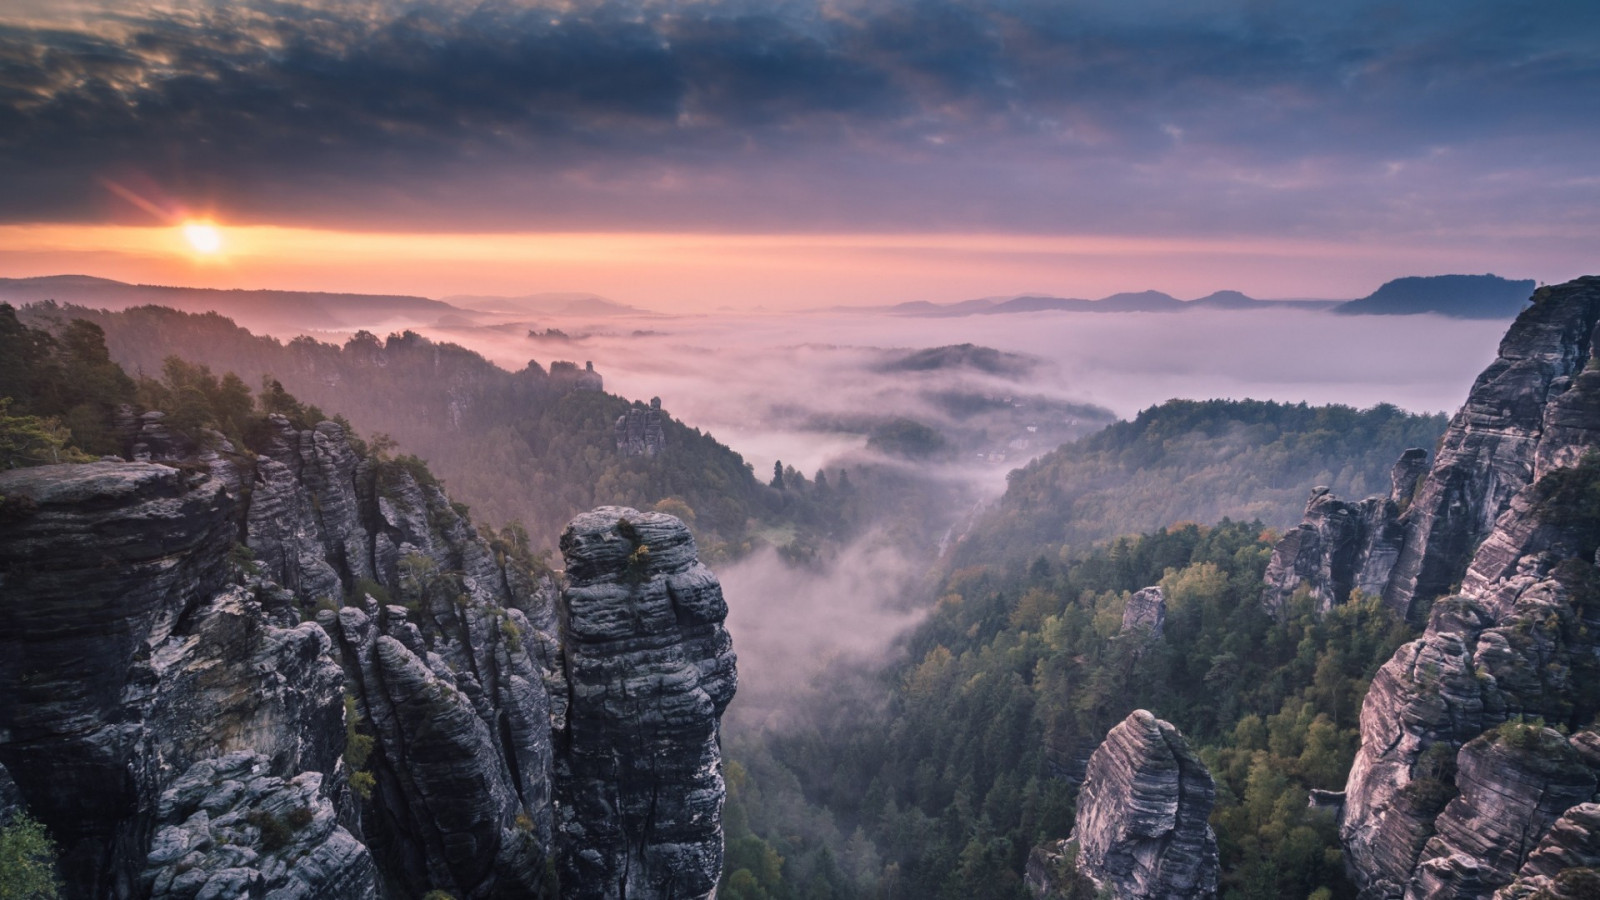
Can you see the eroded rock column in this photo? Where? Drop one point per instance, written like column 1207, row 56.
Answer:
column 650, row 669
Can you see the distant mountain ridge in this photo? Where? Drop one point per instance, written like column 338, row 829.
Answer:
column 565, row 303
column 1126, row 301
column 1458, row 296
column 261, row 310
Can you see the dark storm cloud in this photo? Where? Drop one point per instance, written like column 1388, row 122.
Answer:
column 1143, row 115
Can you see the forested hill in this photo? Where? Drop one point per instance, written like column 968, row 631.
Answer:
column 1197, row 461
column 536, row 446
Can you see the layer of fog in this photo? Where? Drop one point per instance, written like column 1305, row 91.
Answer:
column 745, row 378
column 762, row 384
column 791, row 626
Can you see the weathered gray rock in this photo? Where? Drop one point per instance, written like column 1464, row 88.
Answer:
column 1142, row 829
column 1433, row 809
column 1338, row 548
column 1406, row 476
column 226, row 828
column 147, row 660
column 100, row 564
column 1564, row 865
column 1513, row 786
column 1492, row 448
column 639, row 431
column 1146, row 611
column 651, row 671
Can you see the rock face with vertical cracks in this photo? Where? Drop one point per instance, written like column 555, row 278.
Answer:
column 1147, row 610
column 651, row 670
column 1492, row 448
column 1457, row 790
column 1141, row 829
column 1342, row 547
column 302, row 672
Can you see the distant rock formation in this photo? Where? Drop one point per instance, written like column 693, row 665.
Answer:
column 652, row 670
column 1146, row 609
column 1142, row 828
column 1521, row 419
column 1339, row 547
column 568, row 374
column 639, row 431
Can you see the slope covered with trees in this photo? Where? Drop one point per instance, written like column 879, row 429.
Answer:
column 1199, row 461
column 941, row 784
column 536, row 446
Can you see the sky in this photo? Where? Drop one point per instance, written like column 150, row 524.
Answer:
column 704, row 155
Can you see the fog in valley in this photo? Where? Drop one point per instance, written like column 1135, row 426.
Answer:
column 807, row 389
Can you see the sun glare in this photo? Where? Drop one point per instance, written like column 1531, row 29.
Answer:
column 203, row 237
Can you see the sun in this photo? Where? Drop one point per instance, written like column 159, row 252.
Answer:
column 204, row 238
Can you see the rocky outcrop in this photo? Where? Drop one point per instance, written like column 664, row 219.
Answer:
column 225, row 828
column 651, row 670
column 1146, row 611
column 303, row 673
column 1492, row 448
column 1521, row 419
column 639, row 431
column 1338, row 548
column 1440, row 802
column 1513, row 784
column 1564, row 864
column 101, row 562
column 1141, row 830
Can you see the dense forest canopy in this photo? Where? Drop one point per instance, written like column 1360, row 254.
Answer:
column 1196, row 461
column 940, row 783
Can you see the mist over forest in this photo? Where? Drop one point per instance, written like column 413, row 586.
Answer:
column 928, row 415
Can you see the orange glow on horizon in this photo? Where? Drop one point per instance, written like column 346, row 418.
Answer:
column 692, row 272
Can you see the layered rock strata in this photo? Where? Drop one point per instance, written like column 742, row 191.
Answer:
column 303, row 673
column 1142, row 830
column 1449, row 795
column 1521, row 419
column 1513, row 427
column 651, row 670
column 1341, row 547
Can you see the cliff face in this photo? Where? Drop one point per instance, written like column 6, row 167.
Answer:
column 1141, row 830
column 304, row 673
column 1340, row 547
column 1449, row 796
column 1492, row 449
column 639, row 430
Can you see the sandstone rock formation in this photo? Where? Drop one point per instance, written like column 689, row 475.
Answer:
column 1341, row 547
column 1147, row 610
column 1492, row 448
column 1449, row 796
column 1141, row 830
column 651, row 669
column 303, row 673
column 639, row 431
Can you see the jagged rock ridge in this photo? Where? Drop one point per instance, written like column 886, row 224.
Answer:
column 165, row 692
column 1457, row 790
